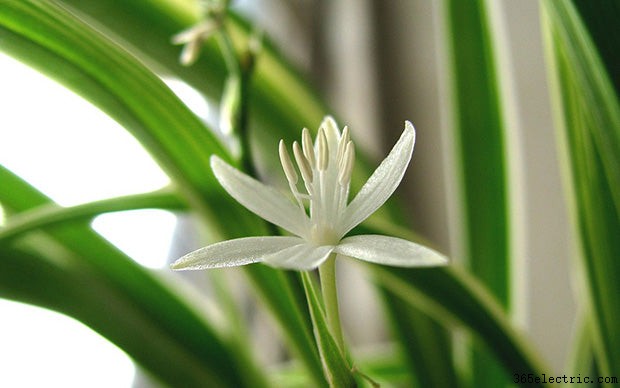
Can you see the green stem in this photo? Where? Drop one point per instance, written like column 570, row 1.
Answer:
column 327, row 272
column 50, row 215
column 335, row 366
column 229, row 52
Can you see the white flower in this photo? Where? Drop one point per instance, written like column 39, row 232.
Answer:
column 325, row 169
column 193, row 38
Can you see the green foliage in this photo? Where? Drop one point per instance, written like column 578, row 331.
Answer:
column 49, row 256
column 479, row 130
column 588, row 116
column 75, row 271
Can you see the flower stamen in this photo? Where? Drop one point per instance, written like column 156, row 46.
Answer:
column 291, row 174
column 322, row 151
column 306, row 143
column 342, row 143
column 304, row 166
column 346, row 165
column 287, row 164
column 327, row 183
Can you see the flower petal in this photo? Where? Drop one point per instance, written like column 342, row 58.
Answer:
column 261, row 199
column 389, row 251
column 381, row 183
column 302, row 257
column 235, row 252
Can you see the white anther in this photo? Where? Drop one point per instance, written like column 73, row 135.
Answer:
column 306, row 144
column 346, row 165
column 342, row 143
column 287, row 164
column 322, row 151
column 303, row 164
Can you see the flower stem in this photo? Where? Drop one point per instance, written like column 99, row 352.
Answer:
column 327, row 272
column 336, row 368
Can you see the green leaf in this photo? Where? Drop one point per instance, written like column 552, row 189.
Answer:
column 81, row 272
column 479, row 132
column 50, row 215
column 452, row 296
column 278, row 293
column 384, row 364
column 78, row 292
column 587, row 73
column 286, row 114
column 335, row 366
column 281, row 101
column 588, row 119
column 600, row 19
column 417, row 332
column 56, row 43
column 52, row 40
column 269, row 283
column 582, row 357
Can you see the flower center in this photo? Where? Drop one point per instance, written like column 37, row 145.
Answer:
column 324, row 235
column 326, row 169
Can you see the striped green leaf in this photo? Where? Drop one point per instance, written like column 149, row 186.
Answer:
column 54, row 41
column 479, row 133
column 588, row 120
column 79, row 273
column 453, row 296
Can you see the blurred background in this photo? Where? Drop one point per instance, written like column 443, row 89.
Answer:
column 377, row 63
